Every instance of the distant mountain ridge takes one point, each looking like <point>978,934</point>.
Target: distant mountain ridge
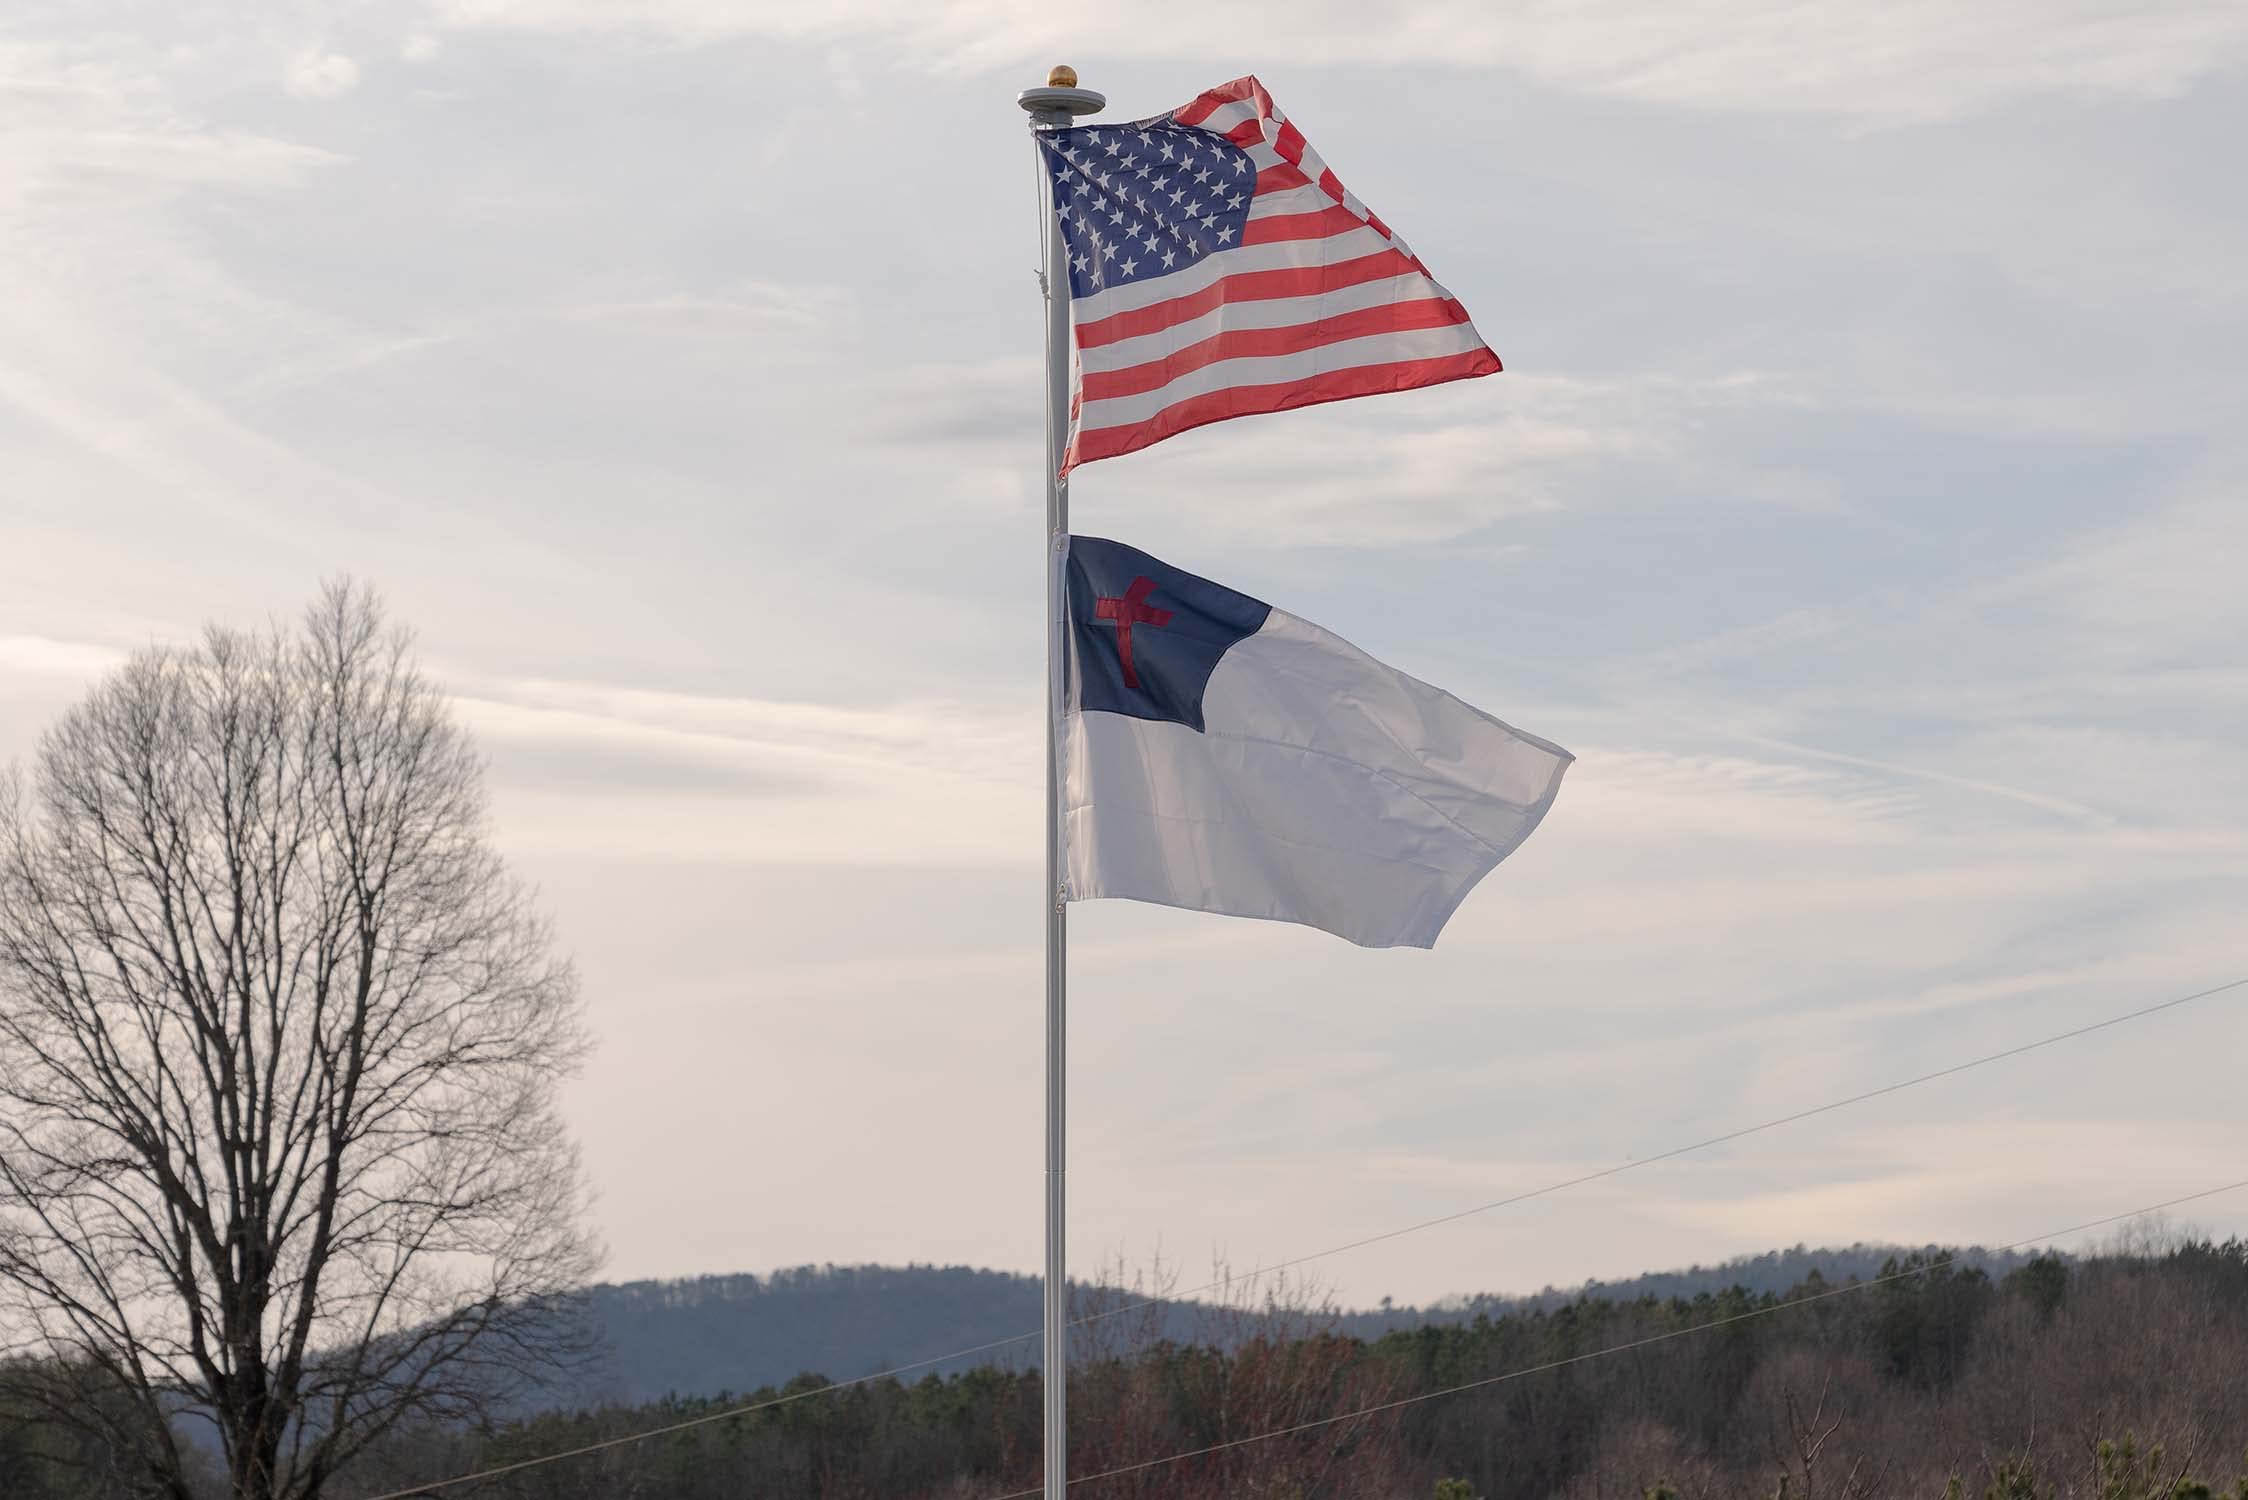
<point>1772,1271</point>
<point>707,1335</point>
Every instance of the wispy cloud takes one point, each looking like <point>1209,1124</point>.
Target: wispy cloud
<point>74,661</point>
<point>1860,509</point>
<point>972,741</point>
<point>585,769</point>
<point>1940,1185</point>
<point>1449,462</point>
<point>1879,64</point>
<point>317,74</point>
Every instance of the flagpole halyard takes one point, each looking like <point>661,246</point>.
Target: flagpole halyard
<point>1057,104</point>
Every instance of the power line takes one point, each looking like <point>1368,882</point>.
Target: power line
<point>1745,1131</point>
<point>1623,1348</point>
<point>1136,1304</point>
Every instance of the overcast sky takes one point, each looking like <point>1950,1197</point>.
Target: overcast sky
<point>1863,505</point>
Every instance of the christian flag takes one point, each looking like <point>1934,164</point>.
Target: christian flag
<point>1222,755</point>
<point>1218,268</point>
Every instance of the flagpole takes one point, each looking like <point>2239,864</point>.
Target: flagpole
<point>1057,104</point>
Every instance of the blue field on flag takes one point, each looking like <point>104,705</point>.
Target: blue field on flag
<point>1218,268</point>
<point>1225,756</point>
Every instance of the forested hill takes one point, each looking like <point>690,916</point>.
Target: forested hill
<point>709,1334</point>
<point>702,1335</point>
<point>1774,1271</point>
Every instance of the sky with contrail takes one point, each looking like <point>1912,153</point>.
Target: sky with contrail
<point>1863,504</point>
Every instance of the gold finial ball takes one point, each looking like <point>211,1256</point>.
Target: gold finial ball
<point>1061,76</point>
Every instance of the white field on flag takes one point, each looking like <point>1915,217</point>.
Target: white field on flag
<point>1219,269</point>
<point>1322,788</point>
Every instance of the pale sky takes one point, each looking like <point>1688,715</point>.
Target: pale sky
<point>1863,504</point>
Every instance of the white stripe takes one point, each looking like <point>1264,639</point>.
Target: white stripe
<point>1272,312</point>
<point>1303,200</point>
<point>1222,119</point>
<point>1273,369</point>
<point>1129,296</point>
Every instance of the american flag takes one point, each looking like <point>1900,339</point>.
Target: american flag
<point>1217,269</point>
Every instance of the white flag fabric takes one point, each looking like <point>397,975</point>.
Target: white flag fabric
<point>1225,756</point>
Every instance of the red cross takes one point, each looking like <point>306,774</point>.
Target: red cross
<point>1132,609</point>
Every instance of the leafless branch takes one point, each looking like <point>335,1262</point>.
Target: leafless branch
<point>279,1044</point>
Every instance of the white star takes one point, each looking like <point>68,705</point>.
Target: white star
<point>1128,161</point>
<point>1116,216</point>
<point>1240,165</point>
<point>1194,210</point>
<point>1195,246</point>
<point>1129,265</point>
<point>1080,188</point>
<point>1093,136</point>
<point>1203,175</point>
<point>1174,231</point>
<point>1142,172</point>
<point>1062,212</point>
<point>1080,262</point>
<point>1114,148</point>
<point>1234,201</point>
<point>1103,181</point>
<point>1146,139</point>
<point>1141,203</point>
<point>1209,221</point>
<point>1108,252</point>
<point>1167,151</point>
<point>1225,233</point>
<point>1177,194</point>
<point>1161,183</point>
<point>1168,257</point>
<point>1070,155</point>
<point>1153,244</point>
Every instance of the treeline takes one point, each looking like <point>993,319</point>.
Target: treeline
<point>1773,1271</point>
<point>696,1335</point>
<point>2123,1377</point>
<point>2120,1377</point>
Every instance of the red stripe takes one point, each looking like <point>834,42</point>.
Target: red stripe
<point>1319,225</point>
<point>1246,134</point>
<point>1213,100</point>
<point>1252,343</point>
<point>1248,400</point>
<point>1333,184</point>
<point>1245,286</point>
<point>1281,179</point>
<point>1290,143</point>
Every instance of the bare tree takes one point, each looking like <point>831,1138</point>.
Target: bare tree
<point>1807,1436</point>
<point>279,1044</point>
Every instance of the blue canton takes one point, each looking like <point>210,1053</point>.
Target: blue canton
<point>1141,201</point>
<point>1145,636</point>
